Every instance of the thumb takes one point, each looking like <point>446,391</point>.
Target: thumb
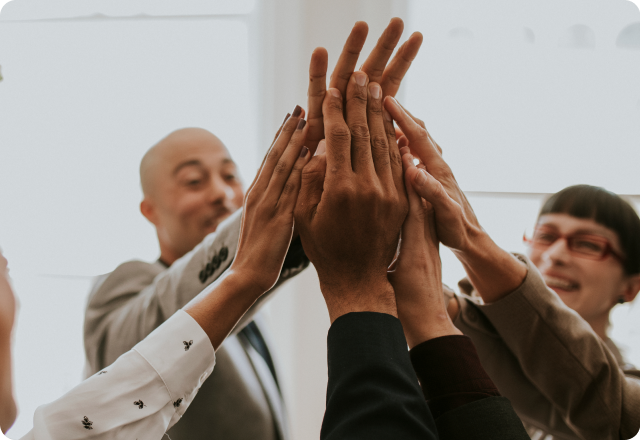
<point>311,189</point>
<point>429,188</point>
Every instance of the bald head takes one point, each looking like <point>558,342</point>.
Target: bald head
<point>190,184</point>
<point>165,152</point>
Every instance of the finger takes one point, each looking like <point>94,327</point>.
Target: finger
<point>399,65</point>
<point>399,133</point>
<point>395,160</point>
<point>276,151</point>
<point>349,57</point>
<point>291,189</point>
<point>376,62</point>
<point>356,115</point>
<point>283,168</point>
<point>379,144</point>
<point>419,140</point>
<point>413,228</point>
<point>311,189</point>
<point>403,142</point>
<point>430,189</point>
<point>338,137</point>
<point>317,90</point>
<point>419,121</point>
<point>268,151</point>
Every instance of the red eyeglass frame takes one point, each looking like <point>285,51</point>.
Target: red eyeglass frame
<point>608,248</point>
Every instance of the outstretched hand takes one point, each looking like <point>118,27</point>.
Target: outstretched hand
<point>350,209</point>
<point>267,220</point>
<point>492,271</point>
<point>417,274</point>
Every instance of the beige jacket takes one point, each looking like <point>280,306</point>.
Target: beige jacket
<point>561,378</point>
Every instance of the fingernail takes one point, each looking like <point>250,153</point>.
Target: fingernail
<point>335,93</point>
<point>375,90</point>
<point>301,124</point>
<point>304,151</point>
<point>285,118</point>
<point>296,111</point>
<point>322,147</point>
<point>421,178</point>
<point>386,114</point>
<point>360,78</point>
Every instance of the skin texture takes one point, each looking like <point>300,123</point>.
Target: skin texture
<point>417,273</point>
<point>8,409</point>
<point>190,184</point>
<point>492,271</point>
<point>591,288</point>
<point>349,212</point>
<point>265,235</point>
<point>389,76</point>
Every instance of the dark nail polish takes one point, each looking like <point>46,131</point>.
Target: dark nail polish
<point>286,117</point>
<point>304,151</point>
<point>296,111</point>
<point>301,124</point>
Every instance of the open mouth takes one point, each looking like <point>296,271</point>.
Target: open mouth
<point>561,284</point>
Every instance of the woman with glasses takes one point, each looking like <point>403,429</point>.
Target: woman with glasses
<point>586,244</point>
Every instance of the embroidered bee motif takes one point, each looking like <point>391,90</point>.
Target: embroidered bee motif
<point>87,423</point>
<point>140,404</point>
<point>102,372</point>
<point>177,403</point>
<point>187,345</point>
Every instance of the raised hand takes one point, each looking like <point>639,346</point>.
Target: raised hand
<point>492,271</point>
<point>349,212</point>
<point>265,235</point>
<point>456,223</point>
<point>417,274</point>
<point>267,221</point>
<point>388,76</point>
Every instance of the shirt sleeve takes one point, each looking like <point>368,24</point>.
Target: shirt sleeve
<point>130,303</point>
<point>450,373</point>
<point>141,395</point>
<point>547,360</point>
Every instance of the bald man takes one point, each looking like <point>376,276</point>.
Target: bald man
<point>192,195</point>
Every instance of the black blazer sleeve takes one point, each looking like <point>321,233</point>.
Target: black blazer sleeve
<point>461,396</point>
<point>373,391</point>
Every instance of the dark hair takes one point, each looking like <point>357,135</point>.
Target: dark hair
<point>606,208</point>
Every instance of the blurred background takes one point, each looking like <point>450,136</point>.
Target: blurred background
<point>525,98</point>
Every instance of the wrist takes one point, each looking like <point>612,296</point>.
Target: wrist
<point>493,271</point>
<point>371,296</point>
<point>244,283</point>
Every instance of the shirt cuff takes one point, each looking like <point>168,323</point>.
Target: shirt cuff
<point>450,373</point>
<point>182,355</point>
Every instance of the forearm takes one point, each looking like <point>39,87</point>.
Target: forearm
<point>493,271</point>
<point>8,410</point>
<point>219,307</point>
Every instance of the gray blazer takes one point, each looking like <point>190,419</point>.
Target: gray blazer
<point>564,382</point>
<point>240,400</point>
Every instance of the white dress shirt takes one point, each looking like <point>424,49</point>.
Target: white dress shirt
<point>140,396</point>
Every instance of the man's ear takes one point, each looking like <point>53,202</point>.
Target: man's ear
<point>632,288</point>
<point>147,209</point>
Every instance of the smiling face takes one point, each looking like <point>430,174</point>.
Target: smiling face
<point>590,287</point>
<point>190,184</point>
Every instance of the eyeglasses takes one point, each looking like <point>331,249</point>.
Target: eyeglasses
<point>592,247</point>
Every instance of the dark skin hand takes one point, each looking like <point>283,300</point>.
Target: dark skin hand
<point>387,76</point>
<point>349,212</point>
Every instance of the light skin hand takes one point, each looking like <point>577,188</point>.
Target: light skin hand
<point>348,212</point>
<point>417,274</point>
<point>493,272</point>
<point>265,235</point>
<point>8,409</point>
